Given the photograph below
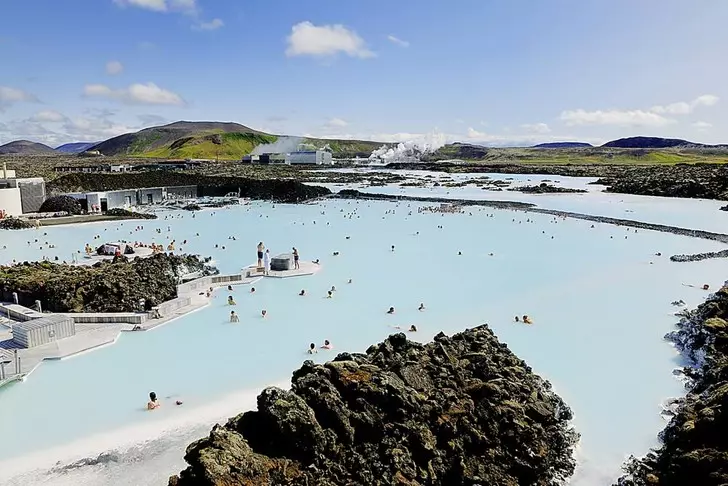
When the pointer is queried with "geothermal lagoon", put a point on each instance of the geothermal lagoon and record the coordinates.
(600, 301)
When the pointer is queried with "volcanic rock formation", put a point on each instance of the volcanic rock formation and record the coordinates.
(461, 410)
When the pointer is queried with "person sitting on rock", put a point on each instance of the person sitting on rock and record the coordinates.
(312, 349)
(153, 403)
(234, 317)
(391, 310)
(527, 320)
(231, 301)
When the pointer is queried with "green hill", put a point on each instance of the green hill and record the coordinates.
(216, 140)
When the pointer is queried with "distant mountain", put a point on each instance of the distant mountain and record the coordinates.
(558, 145)
(210, 140)
(75, 147)
(25, 147)
(650, 143)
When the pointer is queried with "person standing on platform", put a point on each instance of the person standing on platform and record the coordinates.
(261, 247)
(266, 261)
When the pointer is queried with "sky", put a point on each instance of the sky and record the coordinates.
(492, 72)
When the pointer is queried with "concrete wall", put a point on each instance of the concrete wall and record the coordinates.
(120, 199)
(10, 201)
(319, 157)
(156, 193)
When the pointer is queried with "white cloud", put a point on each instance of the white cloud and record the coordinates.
(213, 24)
(142, 94)
(337, 123)
(684, 107)
(626, 118)
(702, 126)
(536, 128)
(307, 39)
(184, 6)
(398, 41)
(53, 128)
(10, 96)
(50, 116)
(114, 67)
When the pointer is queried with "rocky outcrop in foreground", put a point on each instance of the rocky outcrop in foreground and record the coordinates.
(461, 410)
(107, 286)
(695, 443)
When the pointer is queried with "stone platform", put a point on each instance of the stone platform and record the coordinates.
(306, 268)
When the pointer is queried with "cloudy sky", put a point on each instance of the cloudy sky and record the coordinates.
(481, 71)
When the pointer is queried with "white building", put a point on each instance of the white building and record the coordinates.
(18, 196)
(310, 157)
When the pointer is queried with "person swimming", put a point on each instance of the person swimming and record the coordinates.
(333, 288)
(391, 310)
(230, 288)
(312, 349)
(413, 328)
(234, 317)
(252, 289)
(706, 287)
(421, 307)
(153, 403)
(518, 319)
(327, 344)
(330, 295)
(350, 281)
(231, 301)
(263, 313)
(527, 320)
(302, 292)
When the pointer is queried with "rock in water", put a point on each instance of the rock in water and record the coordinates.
(461, 410)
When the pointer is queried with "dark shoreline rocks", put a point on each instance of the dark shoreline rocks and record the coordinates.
(11, 223)
(106, 286)
(126, 214)
(279, 190)
(700, 180)
(544, 188)
(61, 204)
(694, 444)
(699, 256)
(461, 410)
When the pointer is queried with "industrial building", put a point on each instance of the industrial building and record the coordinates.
(127, 198)
(303, 157)
(19, 196)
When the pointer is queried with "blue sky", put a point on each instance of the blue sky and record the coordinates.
(481, 71)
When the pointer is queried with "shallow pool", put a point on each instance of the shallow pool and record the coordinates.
(599, 298)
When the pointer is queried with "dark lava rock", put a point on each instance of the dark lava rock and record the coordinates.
(125, 213)
(61, 203)
(724, 208)
(283, 190)
(544, 188)
(192, 207)
(461, 410)
(107, 286)
(11, 223)
(694, 447)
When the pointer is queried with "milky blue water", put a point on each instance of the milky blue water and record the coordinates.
(600, 310)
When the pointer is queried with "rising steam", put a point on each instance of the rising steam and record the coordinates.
(409, 151)
(283, 145)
